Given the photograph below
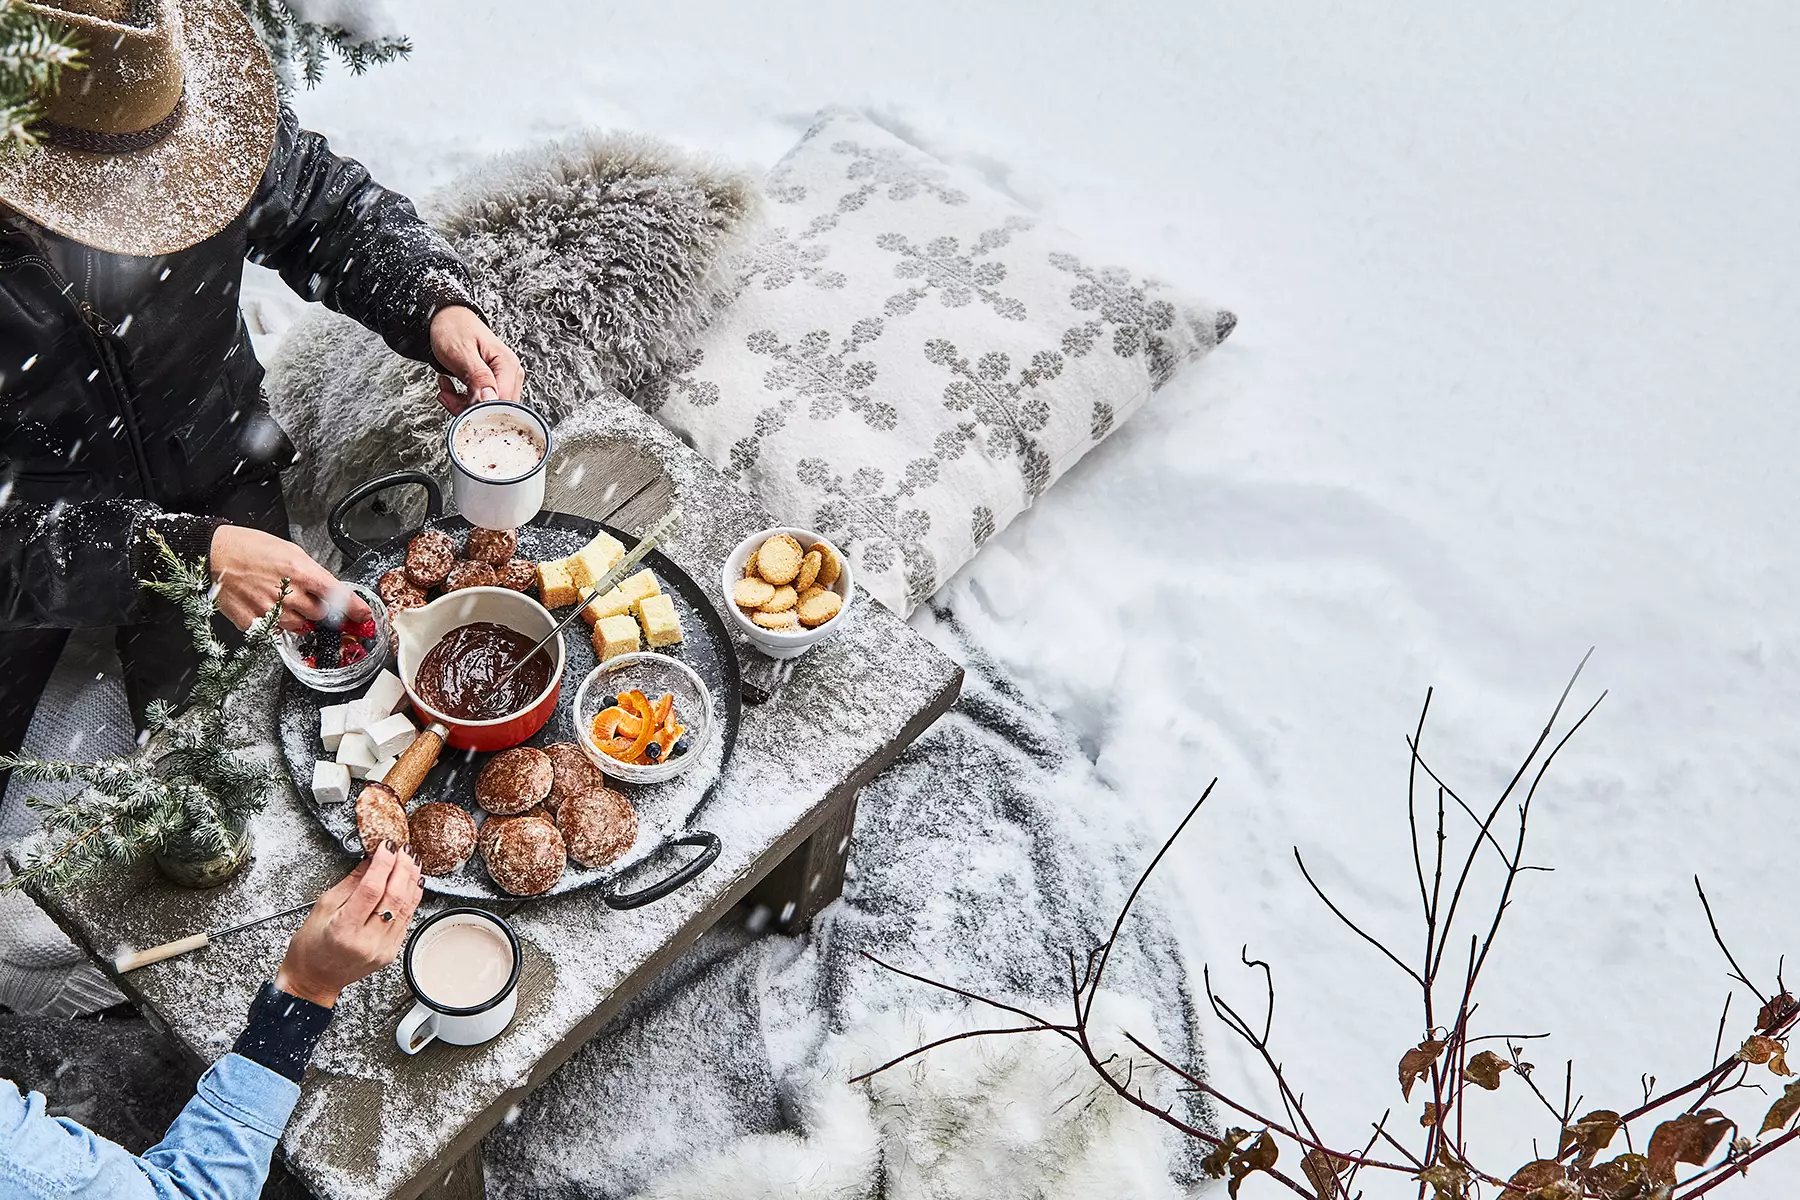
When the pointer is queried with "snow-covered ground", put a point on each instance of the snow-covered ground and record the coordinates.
(1514, 377)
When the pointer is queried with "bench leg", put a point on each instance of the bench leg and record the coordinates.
(813, 875)
(465, 1181)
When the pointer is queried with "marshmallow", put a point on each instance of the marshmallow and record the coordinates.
(330, 783)
(390, 735)
(384, 695)
(331, 724)
(355, 752)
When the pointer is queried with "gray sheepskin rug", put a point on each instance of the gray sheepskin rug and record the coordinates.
(597, 258)
(984, 855)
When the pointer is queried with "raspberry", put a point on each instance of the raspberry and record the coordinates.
(353, 652)
(362, 629)
(307, 627)
(311, 661)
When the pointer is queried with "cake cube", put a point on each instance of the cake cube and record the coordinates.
(614, 636)
(640, 585)
(588, 564)
(384, 695)
(557, 583)
(661, 626)
(331, 724)
(330, 783)
(608, 604)
(390, 735)
(355, 752)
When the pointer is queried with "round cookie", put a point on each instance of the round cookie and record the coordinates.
(810, 566)
(597, 827)
(398, 592)
(784, 598)
(778, 559)
(470, 574)
(780, 621)
(443, 836)
(526, 858)
(491, 546)
(429, 557)
(573, 774)
(829, 566)
(752, 591)
(491, 827)
(514, 780)
(817, 607)
(380, 817)
(519, 574)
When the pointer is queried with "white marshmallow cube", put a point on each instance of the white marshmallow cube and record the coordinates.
(379, 771)
(355, 752)
(330, 783)
(331, 724)
(384, 695)
(390, 735)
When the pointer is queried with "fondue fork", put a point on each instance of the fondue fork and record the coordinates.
(601, 586)
(133, 959)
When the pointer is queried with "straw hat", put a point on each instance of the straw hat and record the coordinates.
(162, 139)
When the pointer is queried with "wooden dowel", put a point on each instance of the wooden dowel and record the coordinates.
(143, 958)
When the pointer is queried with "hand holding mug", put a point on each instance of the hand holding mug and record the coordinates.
(464, 346)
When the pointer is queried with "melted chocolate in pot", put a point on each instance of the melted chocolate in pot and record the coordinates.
(457, 675)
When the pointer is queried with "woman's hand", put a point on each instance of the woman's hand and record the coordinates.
(461, 341)
(249, 565)
(344, 937)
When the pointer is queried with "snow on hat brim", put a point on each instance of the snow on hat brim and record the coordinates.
(190, 183)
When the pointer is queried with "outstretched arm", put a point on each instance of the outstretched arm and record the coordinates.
(219, 1147)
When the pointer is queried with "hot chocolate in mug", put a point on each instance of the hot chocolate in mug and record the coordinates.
(498, 454)
(463, 965)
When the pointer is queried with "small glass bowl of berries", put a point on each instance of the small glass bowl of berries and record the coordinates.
(330, 658)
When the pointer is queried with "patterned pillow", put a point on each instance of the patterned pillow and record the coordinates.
(912, 358)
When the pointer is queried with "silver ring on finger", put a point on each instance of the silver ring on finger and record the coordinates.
(387, 914)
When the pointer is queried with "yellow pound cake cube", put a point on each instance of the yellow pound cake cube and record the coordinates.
(661, 626)
(588, 564)
(609, 604)
(556, 584)
(614, 636)
(640, 585)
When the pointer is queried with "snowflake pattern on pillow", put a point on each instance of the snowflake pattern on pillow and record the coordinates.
(911, 358)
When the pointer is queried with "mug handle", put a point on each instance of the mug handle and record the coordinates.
(421, 1020)
(334, 524)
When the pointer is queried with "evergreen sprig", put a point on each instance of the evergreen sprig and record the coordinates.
(34, 52)
(293, 41)
(186, 787)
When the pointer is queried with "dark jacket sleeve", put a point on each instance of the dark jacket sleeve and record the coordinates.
(342, 239)
(77, 566)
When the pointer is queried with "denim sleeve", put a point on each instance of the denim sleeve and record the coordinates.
(217, 1149)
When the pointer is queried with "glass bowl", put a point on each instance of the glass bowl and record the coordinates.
(342, 679)
(653, 674)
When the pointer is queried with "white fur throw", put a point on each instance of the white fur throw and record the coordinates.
(597, 259)
(913, 357)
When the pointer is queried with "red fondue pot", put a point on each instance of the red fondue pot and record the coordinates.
(417, 630)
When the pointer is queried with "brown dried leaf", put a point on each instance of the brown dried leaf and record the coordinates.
(1782, 1111)
(1429, 1117)
(1484, 1069)
(1626, 1177)
(1541, 1173)
(1448, 1178)
(1259, 1157)
(1219, 1158)
(1566, 1189)
(1593, 1133)
(1758, 1049)
(1689, 1138)
(1417, 1062)
(1321, 1170)
(1777, 1010)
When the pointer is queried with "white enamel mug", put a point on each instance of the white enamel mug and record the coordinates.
(471, 1024)
(498, 503)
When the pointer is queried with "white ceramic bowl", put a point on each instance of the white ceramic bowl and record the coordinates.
(774, 642)
(653, 674)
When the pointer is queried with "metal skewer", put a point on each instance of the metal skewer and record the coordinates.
(142, 958)
(600, 587)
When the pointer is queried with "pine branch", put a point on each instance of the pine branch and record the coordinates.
(311, 45)
(34, 52)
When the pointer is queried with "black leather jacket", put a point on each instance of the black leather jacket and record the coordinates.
(128, 388)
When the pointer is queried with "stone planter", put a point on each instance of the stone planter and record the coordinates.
(189, 866)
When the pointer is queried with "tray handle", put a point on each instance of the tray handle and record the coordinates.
(334, 524)
(681, 877)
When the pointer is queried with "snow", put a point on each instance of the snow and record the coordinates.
(1512, 378)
